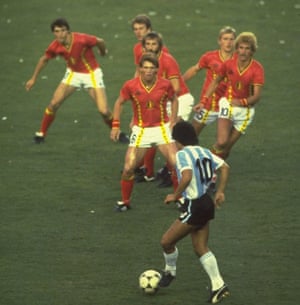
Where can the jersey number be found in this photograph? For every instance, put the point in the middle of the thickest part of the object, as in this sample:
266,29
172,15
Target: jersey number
205,169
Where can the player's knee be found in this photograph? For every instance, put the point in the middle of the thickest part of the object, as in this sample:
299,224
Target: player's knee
201,250
166,244
107,115
221,143
128,174
53,107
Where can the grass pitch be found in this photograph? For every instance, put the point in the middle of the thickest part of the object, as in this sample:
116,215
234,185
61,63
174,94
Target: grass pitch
62,243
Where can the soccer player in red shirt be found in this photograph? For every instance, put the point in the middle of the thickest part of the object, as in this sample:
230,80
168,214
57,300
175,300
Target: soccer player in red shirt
169,69
141,25
152,124
211,62
83,71
245,81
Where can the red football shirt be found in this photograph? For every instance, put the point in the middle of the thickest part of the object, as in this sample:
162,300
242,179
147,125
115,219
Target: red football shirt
169,68
241,83
211,61
149,105
79,56
138,52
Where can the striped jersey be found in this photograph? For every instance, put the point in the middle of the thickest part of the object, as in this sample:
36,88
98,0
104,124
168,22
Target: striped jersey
202,163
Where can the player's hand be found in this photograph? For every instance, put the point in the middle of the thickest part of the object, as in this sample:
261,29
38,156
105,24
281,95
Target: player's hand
198,107
29,84
236,102
114,134
170,198
219,199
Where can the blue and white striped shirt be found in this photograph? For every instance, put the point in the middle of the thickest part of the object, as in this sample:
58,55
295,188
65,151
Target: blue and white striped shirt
202,163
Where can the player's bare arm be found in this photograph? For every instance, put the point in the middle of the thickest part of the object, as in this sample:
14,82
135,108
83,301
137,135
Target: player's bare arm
249,101
184,182
210,90
219,197
191,72
40,65
115,131
174,112
101,46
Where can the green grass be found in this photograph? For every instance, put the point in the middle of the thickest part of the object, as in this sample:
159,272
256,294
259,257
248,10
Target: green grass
60,240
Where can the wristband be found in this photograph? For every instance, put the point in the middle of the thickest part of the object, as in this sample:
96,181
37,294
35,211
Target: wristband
204,99
244,102
115,124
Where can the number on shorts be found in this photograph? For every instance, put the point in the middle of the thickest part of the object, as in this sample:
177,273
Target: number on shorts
200,115
224,112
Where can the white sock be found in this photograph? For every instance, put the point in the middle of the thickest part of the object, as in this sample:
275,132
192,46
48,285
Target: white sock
210,265
170,260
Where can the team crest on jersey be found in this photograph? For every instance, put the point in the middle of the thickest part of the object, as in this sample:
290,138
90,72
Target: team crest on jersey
239,85
72,60
150,104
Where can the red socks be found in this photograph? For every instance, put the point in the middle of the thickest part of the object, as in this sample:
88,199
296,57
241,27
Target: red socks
47,120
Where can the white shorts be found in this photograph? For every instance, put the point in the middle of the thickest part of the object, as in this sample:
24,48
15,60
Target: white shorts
149,136
185,106
205,116
241,117
93,79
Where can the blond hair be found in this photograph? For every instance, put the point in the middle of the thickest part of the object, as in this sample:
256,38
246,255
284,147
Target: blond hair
227,30
247,37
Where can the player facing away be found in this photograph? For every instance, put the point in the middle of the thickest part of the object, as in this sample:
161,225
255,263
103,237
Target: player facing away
152,125
211,62
195,166
83,71
236,108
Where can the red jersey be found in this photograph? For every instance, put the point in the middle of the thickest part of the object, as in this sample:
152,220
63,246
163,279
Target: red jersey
79,56
169,68
138,52
212,61
149,105
241,83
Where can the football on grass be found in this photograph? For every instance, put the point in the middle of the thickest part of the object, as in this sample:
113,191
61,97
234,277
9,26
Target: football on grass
148,281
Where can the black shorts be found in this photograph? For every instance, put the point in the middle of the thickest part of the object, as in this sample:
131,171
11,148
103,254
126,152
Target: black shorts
198,212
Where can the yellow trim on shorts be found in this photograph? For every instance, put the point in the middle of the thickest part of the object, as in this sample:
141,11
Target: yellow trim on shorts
91,72
70,77
139,137
93,79
246,121
164,133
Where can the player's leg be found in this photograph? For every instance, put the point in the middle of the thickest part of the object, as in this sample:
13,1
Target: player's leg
175,233
147,166
133,156
100,98
198,126
234,137
209,263
224,128
61,93
169,152
241,118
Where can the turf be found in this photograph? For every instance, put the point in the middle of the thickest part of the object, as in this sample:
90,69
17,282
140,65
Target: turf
61,241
